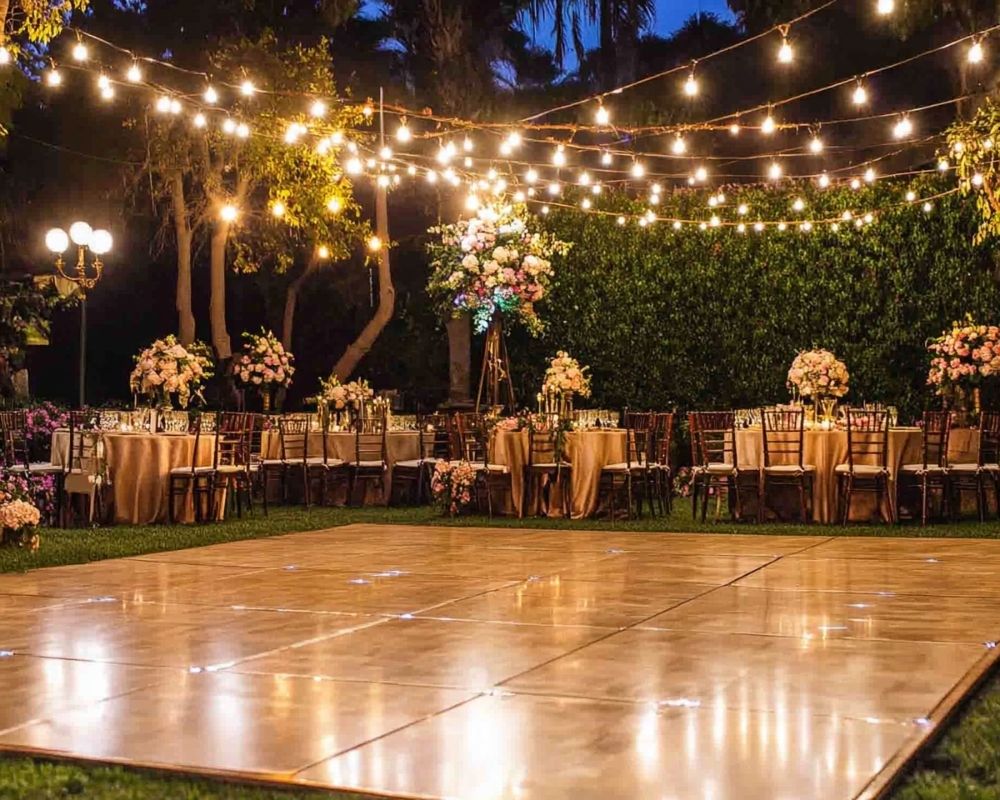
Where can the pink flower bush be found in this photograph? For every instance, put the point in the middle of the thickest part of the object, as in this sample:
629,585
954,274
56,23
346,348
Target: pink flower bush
452,485
566,376
264,362
963,356
166,368
818,374
493,263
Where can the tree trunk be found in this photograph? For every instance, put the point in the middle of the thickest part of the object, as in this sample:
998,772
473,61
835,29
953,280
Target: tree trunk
217,304
182,228
459,361
292,299
357,350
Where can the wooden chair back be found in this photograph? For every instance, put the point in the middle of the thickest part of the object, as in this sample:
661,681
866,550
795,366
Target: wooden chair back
84,457
783,435
293,433
370,443
867,437
935,435
989,438
663,427
715,432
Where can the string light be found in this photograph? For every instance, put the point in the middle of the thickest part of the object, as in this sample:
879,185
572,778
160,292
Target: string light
559,156
679,146
741,228
134,74
691,85
734,129
211,96
885,7
768,126
824,181
4,56
431,176
701,174
80,52
903,128
247,88
317,109
977,179
584,178
774,171
553,189
743,209
353,166
606,158
374,244
403,134
229,213
758,227
678,225
385,152
911,196
638,170
602,116
869,175
383,181
242,130
975,53
323,252
467,144
855,183
162,104
816,145
928,207
806,226
53,77
799,204
200,121
107,91
585,203
860,96
228,125
531,175
943,165
785,53
278,209
545,209
621,220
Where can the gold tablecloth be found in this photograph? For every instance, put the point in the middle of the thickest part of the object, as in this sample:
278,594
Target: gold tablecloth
588,451
139,467
826,449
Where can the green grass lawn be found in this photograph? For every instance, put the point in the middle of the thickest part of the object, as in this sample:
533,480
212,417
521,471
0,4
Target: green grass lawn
963,765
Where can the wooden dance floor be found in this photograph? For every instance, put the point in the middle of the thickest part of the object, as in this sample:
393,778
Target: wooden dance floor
499,663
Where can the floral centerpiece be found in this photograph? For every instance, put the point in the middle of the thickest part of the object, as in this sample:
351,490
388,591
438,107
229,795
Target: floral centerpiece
167,369
264,365
564,379
19,516
818,374
453,485
962,358
339,395
493,263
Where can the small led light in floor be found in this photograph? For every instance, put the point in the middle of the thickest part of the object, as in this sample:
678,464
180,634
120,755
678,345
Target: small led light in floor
614,551
534,577
358,580
873,720
6,653
317,678
217,667
406,616
496,691
194,670
886,594
827,628
681,702
389,573
859,605
104,598
922,721
238,608
291,567
932,561
990,645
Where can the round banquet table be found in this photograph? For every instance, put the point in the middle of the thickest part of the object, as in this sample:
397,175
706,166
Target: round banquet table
139,467
825,449
399,445
589,451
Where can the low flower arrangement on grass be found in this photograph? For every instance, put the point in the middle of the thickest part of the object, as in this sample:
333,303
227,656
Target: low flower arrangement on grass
493,263
453,486
963,357
818,374
166,369
19,516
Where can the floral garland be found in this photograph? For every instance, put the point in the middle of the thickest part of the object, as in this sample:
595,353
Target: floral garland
818,373
19,516
167,368
264,363
963,356
452,485
565,376
341,395
493,263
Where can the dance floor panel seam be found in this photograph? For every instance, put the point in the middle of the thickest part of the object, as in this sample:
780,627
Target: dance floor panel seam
499,663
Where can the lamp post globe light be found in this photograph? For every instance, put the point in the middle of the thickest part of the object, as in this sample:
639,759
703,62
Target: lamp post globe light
84,275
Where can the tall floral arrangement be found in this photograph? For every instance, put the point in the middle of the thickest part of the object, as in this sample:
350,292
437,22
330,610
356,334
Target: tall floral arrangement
453,485
264,363
494,262
340,396
565,376
19,516
818,374
166,369
964,356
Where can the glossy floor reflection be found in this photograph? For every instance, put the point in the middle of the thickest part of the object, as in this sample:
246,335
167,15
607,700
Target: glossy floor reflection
482,664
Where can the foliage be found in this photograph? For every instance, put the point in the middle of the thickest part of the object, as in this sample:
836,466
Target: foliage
36,22
26,309
42,420
494,262
972,144
711,319
166,368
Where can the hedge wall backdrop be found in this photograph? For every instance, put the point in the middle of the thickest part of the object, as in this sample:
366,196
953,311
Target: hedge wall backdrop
712,319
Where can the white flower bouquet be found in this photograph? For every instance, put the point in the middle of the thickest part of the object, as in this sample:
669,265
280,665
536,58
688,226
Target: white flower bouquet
818,374
166,368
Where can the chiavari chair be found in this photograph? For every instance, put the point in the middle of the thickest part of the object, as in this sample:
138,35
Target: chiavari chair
866,469
783,435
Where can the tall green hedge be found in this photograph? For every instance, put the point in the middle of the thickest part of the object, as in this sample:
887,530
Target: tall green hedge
712,319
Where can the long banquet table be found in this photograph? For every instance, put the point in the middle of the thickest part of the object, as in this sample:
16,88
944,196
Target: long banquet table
139,465
825,449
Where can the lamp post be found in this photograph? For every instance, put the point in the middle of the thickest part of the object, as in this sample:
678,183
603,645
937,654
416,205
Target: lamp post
84,275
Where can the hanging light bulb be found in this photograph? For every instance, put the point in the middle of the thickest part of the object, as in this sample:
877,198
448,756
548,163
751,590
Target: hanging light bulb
584,178
385,152
242,130
734,129
903,128
638,170
602,116
701,174
621,220
383,181
691,85
911,196
835,226
943,165
869,175
768,126
374,244
211,96
199,120
806,226
247,88
505,148
163,104
545,209
228,126
885,7
53,77
431,176
229,213
134,74
585,203
782,226
5,57
823,181
758,226
353,166
743,209
855,183
514,139
107,92
80,52
678,225
975,54
816,145
799,204
278,209
741,228
679,146
977,180
467,144
928,207
785,53
774,171
860,96
553,188
606,158
559,156
713,201
531,175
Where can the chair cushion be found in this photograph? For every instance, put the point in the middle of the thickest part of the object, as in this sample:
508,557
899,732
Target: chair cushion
920,469
187,470
366,464
789,469
499,468
860,469
550,465
619,467
974,468
229,469
721,468
272,462
413,463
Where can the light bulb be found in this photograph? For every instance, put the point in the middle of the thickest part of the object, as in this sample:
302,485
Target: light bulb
869,217
211,96
847,216
247,88
367,110
621,220
323,252
134,74
928,207
584,179
903,128
869,175
175,108
701,174
643,222
785,54
975,54
860,95
545,209
835,226
977,180
4,57
100,242
767,127
317,109
200,121
585,203
638,170
714,221
741,228
553,189
467,144
559,157
278,209
743,209
943,165
519,196
334,205
531,175
163,104
855,183
374,243
403,133
691,86
242,130
677,225
774,171
80,233
56,240
799,204
806,226
679,146
758,226
228,213
385,152
734,129
431,176
885,7
824,181
53,77
911,196
80,52
505,148
713,201
353,166
606,158
602,116
107,92
513,139
382,181
816,145
782,226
